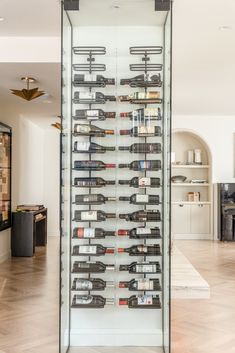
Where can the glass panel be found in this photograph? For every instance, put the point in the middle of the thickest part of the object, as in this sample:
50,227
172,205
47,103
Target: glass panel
167,185
65,185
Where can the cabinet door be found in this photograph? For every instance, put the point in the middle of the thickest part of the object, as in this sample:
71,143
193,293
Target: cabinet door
181,219
200,219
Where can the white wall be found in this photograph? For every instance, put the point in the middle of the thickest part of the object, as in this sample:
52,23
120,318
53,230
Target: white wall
218,133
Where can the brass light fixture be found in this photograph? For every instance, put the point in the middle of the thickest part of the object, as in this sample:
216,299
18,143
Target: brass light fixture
26,93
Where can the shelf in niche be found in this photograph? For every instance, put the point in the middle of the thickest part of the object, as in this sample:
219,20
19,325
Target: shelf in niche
190,184
191,203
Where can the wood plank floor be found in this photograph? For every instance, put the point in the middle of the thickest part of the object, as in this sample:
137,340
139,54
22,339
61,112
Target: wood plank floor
207,325
29,304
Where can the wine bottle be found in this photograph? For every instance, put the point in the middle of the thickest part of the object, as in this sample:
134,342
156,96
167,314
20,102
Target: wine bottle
91,130
142,131
142,250
91,233
85,284
142,148
154,165
92,165
90,301
93,114
143,114
141,182
91,267
142,216
143,81
141,97
90,147
89,216
94,249
92,199
141,302
141,267
92,98
141,233
89,80
92,182
142,284
141,199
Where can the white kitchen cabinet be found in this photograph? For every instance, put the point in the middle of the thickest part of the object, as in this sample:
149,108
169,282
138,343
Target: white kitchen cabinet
200,219
181,219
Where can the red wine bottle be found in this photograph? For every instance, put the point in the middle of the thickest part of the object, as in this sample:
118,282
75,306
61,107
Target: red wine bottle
143,114
142,216
93,114
87,284
142,165
142,284
92,165
94,249
92,215
141,199
92,98
141,182
142,250
141,267
92,199
141,302
92,182
142,131
141,233
91,267
91,147
91,233
89,80
143,81
90,301
91,130
142,148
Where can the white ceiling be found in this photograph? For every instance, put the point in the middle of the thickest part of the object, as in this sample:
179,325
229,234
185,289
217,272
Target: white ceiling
49,81
30,18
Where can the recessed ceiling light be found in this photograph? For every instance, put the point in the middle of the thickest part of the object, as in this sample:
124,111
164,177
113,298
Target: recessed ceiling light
225,28
2,19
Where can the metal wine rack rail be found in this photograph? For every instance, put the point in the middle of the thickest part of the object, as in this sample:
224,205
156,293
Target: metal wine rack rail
91,66
146,52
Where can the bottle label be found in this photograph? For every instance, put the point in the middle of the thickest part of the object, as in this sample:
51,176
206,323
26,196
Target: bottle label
86,182
82,146
146,268
144,300
86,233
92,114
142,249
142,198
87,249
90,198
145,130
144,284
140,231
83,284
85,299
89,215
150,112
144,165
87,95
82,129
89,78
144,182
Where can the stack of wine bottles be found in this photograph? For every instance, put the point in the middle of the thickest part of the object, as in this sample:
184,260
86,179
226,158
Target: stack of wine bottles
145,222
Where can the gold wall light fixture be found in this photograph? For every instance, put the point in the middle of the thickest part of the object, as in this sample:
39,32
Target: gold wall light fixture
27,93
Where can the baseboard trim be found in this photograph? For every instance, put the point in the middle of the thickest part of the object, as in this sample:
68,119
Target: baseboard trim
5,256
192,237
115,337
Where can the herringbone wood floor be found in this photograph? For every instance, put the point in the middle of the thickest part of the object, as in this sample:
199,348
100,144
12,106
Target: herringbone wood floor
207,326
29,303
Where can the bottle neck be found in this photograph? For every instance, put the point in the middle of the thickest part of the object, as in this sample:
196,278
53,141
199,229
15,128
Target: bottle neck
109,250
109,234
123,216
125,132
110,267
124,268
123,148
123,232
110,182
109,148
109,132
110,198
123,284
124,198
110,165
124,165
110,215
123,301
124,182
109,301
110,115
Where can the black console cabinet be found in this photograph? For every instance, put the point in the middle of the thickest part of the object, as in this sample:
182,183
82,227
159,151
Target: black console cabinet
28,230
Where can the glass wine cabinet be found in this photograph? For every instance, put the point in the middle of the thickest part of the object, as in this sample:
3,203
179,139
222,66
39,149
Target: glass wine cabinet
115,174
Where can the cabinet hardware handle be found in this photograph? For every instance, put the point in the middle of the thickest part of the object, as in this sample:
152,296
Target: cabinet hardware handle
180,205
200,205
